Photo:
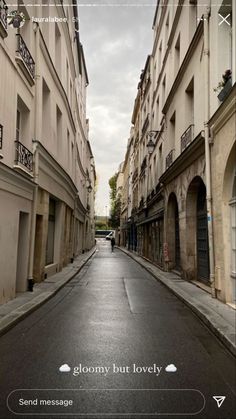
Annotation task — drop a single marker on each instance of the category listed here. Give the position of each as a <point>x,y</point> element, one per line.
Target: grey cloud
<point>116,42</point>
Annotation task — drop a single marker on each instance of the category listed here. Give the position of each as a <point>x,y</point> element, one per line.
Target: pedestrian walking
<point>113,242</point>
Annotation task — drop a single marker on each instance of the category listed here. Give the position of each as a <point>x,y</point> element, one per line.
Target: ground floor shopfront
<point>173,233</point>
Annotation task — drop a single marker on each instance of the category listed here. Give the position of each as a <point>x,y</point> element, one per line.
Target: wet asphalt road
<point>114,315</point>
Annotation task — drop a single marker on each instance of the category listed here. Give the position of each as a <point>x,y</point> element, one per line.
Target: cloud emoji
<point>64,368</point>
<point>171,368</point>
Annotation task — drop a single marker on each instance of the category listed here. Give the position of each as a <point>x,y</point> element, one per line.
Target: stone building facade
<point>47,172</point>
<point>184,119</point>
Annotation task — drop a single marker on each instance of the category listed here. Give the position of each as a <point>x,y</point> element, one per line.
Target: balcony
<point>3,18</point>
<point>169,159</point>
<point>24,156</point>
<point>187,137</point>
<point>1,136</point>
<point>25,60</point>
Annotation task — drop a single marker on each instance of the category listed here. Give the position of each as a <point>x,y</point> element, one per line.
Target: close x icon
<point>224,19</point>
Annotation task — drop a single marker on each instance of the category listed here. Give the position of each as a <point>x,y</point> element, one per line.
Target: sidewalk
<point>26,302</point>
<point>219,317</point>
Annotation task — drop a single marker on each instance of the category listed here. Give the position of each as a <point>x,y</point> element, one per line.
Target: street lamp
<point>89,188</point>
<point>151,145</point>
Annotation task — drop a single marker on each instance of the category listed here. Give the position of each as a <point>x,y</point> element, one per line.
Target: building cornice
<point>16,182</point>
<point>49,165</point>
<point>185,159</point>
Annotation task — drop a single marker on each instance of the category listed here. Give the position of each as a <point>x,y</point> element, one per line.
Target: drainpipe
<point>36,166</point>
<point>207,152</point>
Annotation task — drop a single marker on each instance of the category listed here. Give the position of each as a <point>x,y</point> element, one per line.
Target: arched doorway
<point>233,240</point>
<point>203,271</point>
<point>197,249</point>
<point>173,232</point>
<point>228,255</point>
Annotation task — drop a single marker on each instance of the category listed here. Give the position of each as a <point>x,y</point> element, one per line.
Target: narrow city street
<point>117,329</point>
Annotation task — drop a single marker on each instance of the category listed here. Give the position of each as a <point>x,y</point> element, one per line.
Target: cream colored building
<point>47,172</point>
<point>185,184</point>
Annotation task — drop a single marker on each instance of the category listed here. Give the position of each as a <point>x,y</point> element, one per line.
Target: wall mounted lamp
<point>151,144</point>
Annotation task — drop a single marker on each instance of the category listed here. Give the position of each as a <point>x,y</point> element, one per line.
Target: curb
<point>203,317</point>
<point>18,314</point>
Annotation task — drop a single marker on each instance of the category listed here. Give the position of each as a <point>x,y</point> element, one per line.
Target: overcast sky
<point>117,37</point>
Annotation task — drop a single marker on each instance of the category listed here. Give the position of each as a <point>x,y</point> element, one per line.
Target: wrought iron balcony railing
<point>24,156</point>
<point>187,137</point>
<point>25,55</point>
<point>169,158</point>
<point>3,14</point>
<point>1,136</point>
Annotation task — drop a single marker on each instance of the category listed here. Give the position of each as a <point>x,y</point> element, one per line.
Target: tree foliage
<point>115,202</point>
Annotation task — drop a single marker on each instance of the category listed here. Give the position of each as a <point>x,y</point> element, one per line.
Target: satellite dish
<point>16,19</point>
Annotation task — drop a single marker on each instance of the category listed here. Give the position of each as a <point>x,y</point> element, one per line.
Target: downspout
<point>36,167</point>
<point>207,151</point>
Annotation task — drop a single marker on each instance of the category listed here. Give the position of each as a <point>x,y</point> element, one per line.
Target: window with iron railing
<point>187,137</point>
<point>3,14</point>
<point>25,54</point>
<point>24,156</point>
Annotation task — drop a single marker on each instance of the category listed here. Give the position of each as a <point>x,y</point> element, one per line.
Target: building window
<point>157,112</point>
<point>68,150</point>
<point>189,103</point>
<point>167,30</point>
<point>177,55</point>
<point>22,122</point>
<point>58,49</point>
<point>51,232</point>
<point>172,131</point>
<point>46,111</point>
<point>160,161</point>
<point>159,58</point>
<point>59,132</point>
<point>163,91</point>
<point>192,18</point>
<point>18,118</point>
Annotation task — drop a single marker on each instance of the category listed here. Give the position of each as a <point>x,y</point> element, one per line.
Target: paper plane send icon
<point>219,400</point>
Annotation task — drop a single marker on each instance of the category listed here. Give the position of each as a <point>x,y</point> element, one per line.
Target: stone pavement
<point>219,317</point>
<point>26,302</point>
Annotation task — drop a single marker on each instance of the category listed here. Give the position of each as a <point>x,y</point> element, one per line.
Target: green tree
<point>115,202</point>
